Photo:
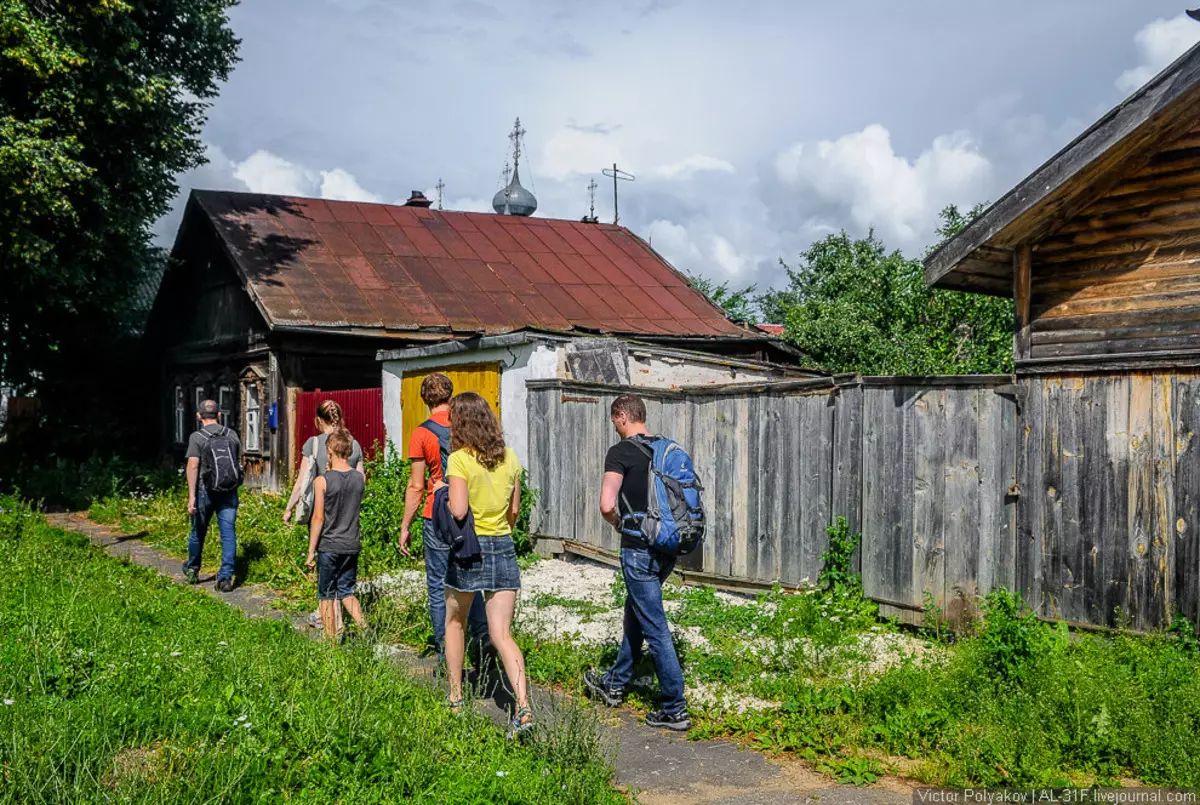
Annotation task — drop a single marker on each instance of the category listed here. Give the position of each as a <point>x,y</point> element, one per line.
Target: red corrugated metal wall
<point>362,410</point>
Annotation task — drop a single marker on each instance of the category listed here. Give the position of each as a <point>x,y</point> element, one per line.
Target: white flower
<point>9,702</point>
<point>222,643</point>
<point>239,719</point>
<point>247,725</point>
<point>501,774</point>
<point>176,653</point>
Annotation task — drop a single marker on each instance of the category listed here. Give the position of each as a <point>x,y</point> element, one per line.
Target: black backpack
<point>443,436</point>
<point>220,461</point>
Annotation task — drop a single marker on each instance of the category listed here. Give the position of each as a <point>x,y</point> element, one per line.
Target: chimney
<point>417,199</point>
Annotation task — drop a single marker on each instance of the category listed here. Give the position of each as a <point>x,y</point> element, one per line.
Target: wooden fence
<point>921,467</point>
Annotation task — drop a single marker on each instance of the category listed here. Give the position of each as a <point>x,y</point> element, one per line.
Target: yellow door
<point>481,378</point>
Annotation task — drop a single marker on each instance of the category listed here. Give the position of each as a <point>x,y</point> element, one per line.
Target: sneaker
<point>314,619</point>
<point>190,576</point>
<point>680,721</point>
<point>521,725</point>
<point>224,585</point>
<point>598,685</point>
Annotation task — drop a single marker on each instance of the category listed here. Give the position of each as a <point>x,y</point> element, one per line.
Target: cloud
<point>860,179</point>
<point>264,172</point>
<point>1159,43</point>
<point>340,185</point>
<point>697,163</point>
<point>572,152</point>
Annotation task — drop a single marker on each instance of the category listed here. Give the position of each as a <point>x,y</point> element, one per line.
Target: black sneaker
<point>225,585</point>
<point>190,576</point>
<point>680,721</point>
<point>596,683</point>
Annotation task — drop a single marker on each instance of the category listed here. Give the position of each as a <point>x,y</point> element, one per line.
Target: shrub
<point>837,562</point>
<point>1013,639</point>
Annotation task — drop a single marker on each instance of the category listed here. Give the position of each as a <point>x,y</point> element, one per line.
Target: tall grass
<point>119,686</point>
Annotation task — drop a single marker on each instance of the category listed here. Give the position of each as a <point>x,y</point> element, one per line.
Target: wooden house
<point>268,299</point>
<point>1100,250</point>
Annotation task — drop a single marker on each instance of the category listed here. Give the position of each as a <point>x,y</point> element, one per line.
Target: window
<point>252,437</point>
<point>180,416</point>
<point>199,399</point>
<point>225,402</point>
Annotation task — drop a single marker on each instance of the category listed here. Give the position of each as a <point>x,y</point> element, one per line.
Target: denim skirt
<point>497,569</point>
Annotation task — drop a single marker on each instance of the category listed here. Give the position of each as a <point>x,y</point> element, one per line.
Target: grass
<point>119,686</point>
<point>1014,701</point>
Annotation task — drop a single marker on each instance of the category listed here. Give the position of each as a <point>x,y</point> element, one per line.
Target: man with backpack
<point>214,473</point>
<point>429,451</point>
<point>652,537</point>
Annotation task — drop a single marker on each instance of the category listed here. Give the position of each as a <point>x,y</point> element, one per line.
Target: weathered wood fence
<point>922,467</point>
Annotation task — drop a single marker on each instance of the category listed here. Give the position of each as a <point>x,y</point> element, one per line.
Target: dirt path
<point>663,769</point>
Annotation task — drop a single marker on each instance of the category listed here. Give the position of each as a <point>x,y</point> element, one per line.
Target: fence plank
<point>1160,610</point>
<point>1141,496</point>
<point>930,418</point>
<point>1186,528</point>
<point>847,461</point>
<point>1114,499</point>
<point>962,520</point>
<point>1072,557</point>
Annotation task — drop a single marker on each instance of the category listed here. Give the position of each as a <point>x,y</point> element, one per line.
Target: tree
<point>852,306</point>
<point>101,105</point>
<point>738,305</point>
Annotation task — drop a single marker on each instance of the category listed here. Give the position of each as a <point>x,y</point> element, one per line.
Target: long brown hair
<point>473,426</point>
<point>330,413</point>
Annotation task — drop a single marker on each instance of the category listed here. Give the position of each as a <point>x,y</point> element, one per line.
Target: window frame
<point>179,414</point>
<point>252,437</point>
<point>225,394</point>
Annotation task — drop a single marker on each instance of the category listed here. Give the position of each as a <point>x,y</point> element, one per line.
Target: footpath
<point>659,767</point>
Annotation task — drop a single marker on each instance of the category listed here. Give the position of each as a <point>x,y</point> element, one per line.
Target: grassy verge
<point>119,686</point>
<point>817,674</point>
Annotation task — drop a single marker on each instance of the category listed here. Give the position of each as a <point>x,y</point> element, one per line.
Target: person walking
<point>328,419</point>
<point>429,450</point>
<point>484,478</point>
<point>214,473</point>
<point>334,539</point>
<point>624,492</point>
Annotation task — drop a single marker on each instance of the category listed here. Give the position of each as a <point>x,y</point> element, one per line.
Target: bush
<point>1013,639</point>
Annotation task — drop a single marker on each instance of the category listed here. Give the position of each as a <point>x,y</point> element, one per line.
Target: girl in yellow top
<point>485,477</point>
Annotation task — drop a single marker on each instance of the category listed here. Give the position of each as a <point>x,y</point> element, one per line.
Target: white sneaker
<point>314,619</point>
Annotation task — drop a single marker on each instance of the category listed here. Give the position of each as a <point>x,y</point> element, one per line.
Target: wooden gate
<point>362,413</point>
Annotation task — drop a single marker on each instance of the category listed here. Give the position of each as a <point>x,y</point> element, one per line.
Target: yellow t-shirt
<point>489,494</point>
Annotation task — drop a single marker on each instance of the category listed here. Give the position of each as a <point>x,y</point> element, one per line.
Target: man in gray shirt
<point>222,448</point>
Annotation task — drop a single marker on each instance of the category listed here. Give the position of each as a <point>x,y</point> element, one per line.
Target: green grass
<point>119,686</point>
<point>1014,702</point>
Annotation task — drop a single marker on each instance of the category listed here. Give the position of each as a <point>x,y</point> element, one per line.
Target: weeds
<point>121,686</point>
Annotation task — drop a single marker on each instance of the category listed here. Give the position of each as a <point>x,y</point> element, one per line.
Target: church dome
<point>514,199</point>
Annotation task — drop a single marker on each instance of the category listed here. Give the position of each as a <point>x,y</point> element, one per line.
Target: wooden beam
<point>1022,287</point>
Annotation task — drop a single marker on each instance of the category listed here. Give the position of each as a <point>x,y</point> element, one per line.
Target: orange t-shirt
<point>423,446</point>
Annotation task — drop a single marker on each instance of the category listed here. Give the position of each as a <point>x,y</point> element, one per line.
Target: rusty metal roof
<point>351,265</point>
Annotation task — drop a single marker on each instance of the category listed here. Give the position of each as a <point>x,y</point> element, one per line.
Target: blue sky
<point>753,128</point>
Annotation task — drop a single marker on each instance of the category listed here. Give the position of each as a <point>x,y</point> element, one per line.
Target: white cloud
<point>340,185</point>
<point>572,152</point>
<point>861,175</point>
<point>695,248</point>
<point>697,163</point>
<point>1159,43</point>
<point>264,172</point>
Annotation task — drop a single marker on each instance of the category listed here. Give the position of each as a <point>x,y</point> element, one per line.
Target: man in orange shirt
<point>429,450</point>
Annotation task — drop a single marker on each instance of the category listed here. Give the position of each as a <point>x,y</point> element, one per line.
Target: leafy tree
<point>739,305</point>
<point>852,306</point>
<point>101,105</point>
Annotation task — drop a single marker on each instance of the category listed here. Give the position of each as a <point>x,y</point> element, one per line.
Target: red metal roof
<point>342,264</point>
<point>776,330</point>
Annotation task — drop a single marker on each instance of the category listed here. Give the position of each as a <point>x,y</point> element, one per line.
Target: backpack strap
<point>442,433</point>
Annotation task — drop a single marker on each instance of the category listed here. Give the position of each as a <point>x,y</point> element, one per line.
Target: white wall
<point>664,369</point>
<point>517,364</point>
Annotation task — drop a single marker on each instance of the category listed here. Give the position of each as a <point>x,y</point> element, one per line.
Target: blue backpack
<point>674,523</point>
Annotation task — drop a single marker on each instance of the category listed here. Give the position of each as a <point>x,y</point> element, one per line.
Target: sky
<point>752,128</point>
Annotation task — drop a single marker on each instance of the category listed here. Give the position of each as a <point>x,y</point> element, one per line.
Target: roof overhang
<point>980,257</point>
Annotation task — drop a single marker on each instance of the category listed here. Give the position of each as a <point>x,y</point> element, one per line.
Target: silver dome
<point>514,199</point>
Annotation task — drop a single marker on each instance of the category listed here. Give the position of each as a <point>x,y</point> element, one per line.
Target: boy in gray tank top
<point>333,534</point>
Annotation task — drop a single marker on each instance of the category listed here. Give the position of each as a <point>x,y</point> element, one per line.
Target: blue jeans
<point>224,505</point>
<point>645,619</point>
<point>437,563</point>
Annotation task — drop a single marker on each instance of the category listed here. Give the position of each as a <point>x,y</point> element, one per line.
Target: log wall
<point>1123,276</point>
